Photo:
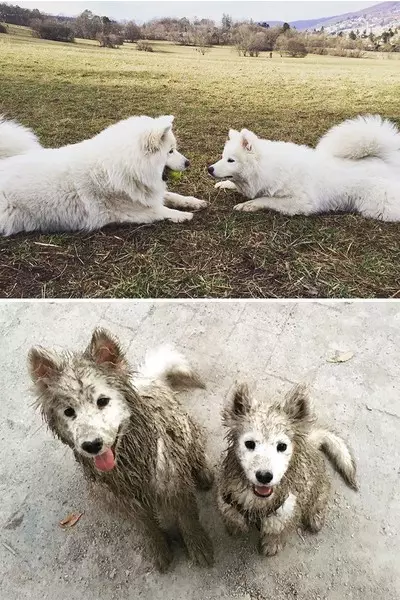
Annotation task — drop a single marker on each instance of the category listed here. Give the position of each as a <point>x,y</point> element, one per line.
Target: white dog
<point>355,167</point>
<point>115,177</point>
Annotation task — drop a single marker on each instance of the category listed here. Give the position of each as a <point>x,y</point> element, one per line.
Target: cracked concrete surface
<point>272,346</point>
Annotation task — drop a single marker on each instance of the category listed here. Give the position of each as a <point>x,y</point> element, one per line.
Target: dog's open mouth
<point>262,491</point>
<point>106,460</point>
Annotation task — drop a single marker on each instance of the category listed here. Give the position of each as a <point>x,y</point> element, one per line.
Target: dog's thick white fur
<point>355,167</point>
<point>115,177</point>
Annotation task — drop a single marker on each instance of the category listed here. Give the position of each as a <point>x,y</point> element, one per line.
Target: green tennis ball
<point>175,175</point>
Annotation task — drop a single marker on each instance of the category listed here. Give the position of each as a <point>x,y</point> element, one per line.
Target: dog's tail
<point>338,453</point>
<point>16,139</point>
<point>362,137</point>
<point>170,366</point>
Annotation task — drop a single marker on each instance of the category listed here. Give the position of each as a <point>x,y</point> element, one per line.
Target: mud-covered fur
<point>287,450</point>
<point>158,449</point>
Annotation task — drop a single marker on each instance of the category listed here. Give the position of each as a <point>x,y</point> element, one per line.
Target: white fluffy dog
<point>115,177</point>
<point>355,167</point>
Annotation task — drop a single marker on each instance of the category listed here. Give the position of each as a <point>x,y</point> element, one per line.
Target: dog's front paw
<point>225,185</point>
<point>181,216</point>
<point>196,203</point>
<point>246,207</point>
<point>163,559</point>
<point>316,522</point>
<point>270,547</point>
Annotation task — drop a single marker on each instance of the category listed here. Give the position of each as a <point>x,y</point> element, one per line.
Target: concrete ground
<point>272,346</point>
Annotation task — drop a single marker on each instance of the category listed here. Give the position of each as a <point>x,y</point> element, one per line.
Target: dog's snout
<point>211,170</point>
<point>187,163</point>
<point>264,476</point>
<point>93,447</point>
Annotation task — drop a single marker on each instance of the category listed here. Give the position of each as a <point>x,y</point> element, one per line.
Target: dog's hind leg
<point>187,202</point>
<point>196,540</point>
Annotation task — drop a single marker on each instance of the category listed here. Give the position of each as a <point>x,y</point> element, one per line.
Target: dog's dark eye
<point>171,151</point>
<point>102,401</point>
<point>69,412</point>
<point>230,160</point>
<point>250,445</point>
<point>281,447</point>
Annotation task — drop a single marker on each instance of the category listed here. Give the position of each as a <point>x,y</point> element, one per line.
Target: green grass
<point>68,92</point>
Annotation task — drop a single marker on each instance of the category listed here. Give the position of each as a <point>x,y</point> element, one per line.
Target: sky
<point>282,10</point>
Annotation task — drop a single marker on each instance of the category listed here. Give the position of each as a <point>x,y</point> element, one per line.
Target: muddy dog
<point>130,434</point>
<point>273,474</point>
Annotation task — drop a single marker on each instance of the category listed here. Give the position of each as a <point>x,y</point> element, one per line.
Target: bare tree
<point>132,32</point>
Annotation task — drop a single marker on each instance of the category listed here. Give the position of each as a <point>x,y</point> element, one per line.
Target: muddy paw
<point>270,548</point>
<point>316,523</point>
<point>163,559</point>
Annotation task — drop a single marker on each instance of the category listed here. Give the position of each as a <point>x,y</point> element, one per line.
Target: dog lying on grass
<point>130,434</point>
<point>115,177</point>
<point>355,167</point>
<point>273,474</point>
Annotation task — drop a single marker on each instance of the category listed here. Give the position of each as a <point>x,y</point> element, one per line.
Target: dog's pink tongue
<point>105,461</point>
<point>263,490</point>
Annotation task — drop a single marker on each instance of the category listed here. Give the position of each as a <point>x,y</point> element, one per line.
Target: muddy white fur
<point>130,435</point>
<point>355,167</point>
<point>273,474</point>
<point>114,177</point>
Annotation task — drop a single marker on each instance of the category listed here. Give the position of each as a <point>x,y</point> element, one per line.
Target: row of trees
<point>87,25</point>
<point>248,38</point>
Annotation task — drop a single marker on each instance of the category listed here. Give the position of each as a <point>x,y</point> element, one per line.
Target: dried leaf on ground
<point>70,520</point>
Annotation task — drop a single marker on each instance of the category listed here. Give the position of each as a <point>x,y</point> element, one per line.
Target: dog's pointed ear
<point>297,404</point>
<point>248,139</point>
<point>44,366</point>
<point>241,400</point>
<point>233,134</point>
<point>160,129</point>
<point>105,350</point>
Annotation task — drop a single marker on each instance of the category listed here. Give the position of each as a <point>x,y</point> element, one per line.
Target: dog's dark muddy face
<point>81,397</point>
<point>262,436</point>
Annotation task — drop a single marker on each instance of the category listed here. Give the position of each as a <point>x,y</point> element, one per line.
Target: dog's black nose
<point>210,170</point>
<point>187,163</point>
<point>93,447</point>
<point>264,476</point>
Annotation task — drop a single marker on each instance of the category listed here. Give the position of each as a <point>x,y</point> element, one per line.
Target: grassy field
<point>68,92</point>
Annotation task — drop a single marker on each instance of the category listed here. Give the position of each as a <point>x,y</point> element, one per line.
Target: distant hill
<point>376,18</point>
